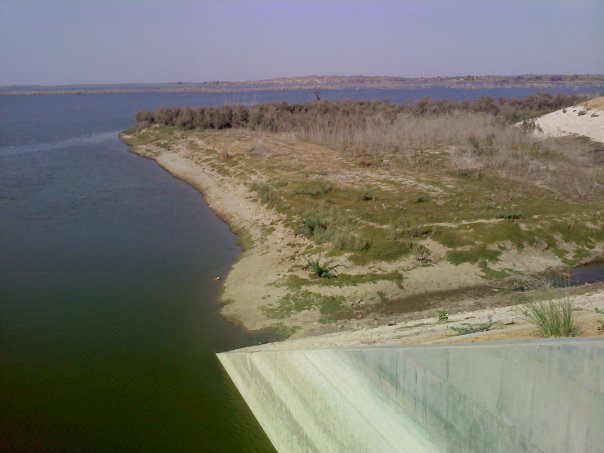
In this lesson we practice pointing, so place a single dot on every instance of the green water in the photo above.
(109, 318)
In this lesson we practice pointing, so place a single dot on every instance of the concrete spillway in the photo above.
(538, 396)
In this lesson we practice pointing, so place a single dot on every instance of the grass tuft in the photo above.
(552, 318)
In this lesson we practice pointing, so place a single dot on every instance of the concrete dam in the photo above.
(533, 396)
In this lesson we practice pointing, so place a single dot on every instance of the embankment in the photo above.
(525, 396)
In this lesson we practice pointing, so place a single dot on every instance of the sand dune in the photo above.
(585, 119)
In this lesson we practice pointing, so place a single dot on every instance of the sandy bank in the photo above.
(249, 282)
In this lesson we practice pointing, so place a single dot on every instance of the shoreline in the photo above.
(240, 215)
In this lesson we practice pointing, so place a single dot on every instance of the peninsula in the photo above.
(356, 215)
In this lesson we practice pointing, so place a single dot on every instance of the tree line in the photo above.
(283, 117)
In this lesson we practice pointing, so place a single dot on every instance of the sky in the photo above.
(53, 42)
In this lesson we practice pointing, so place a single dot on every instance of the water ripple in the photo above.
(93, 139)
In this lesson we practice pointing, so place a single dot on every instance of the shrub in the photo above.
(553, 319)
(322, 269)
(367, 195)
(312, 117)
(383, 297)
(601, 321)
(420, 199)
(348, 240)
(467, 329)
(442, 315)
(422, 253)
(310, 225)
(419, 231)
(143, 118)
(509, 215)
(265, 192)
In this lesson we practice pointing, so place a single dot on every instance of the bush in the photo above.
(467, 329)
(311, 226)
(322, 269)
(367, 195)
(553, 319)
(348, 240)
(420, 199)
(265, 192)
(352, 115)
(509, 215)
(442, 315)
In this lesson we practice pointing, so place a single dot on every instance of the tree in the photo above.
(317, 92)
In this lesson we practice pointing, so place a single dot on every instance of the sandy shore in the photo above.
(245, 286)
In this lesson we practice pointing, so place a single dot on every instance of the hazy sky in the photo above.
(103, 41)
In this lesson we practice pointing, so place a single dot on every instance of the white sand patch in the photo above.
(571, 121)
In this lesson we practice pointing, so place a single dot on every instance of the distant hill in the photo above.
(322, 83)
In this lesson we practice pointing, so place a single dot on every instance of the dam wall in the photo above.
(537, 396)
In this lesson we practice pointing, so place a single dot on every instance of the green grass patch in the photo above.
(383, 250)
(330, 307)
(474, 255)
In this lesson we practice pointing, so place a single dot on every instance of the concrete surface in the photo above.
(537, 396)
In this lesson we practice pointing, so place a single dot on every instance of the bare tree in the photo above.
(317, 91)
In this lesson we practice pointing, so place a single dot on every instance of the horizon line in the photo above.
(209, 82)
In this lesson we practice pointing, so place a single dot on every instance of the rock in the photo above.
(508, 322)
(392, 323)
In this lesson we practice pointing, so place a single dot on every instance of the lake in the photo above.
(109, 319)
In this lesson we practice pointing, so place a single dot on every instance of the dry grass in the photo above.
(475, 143)
(597, 103)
